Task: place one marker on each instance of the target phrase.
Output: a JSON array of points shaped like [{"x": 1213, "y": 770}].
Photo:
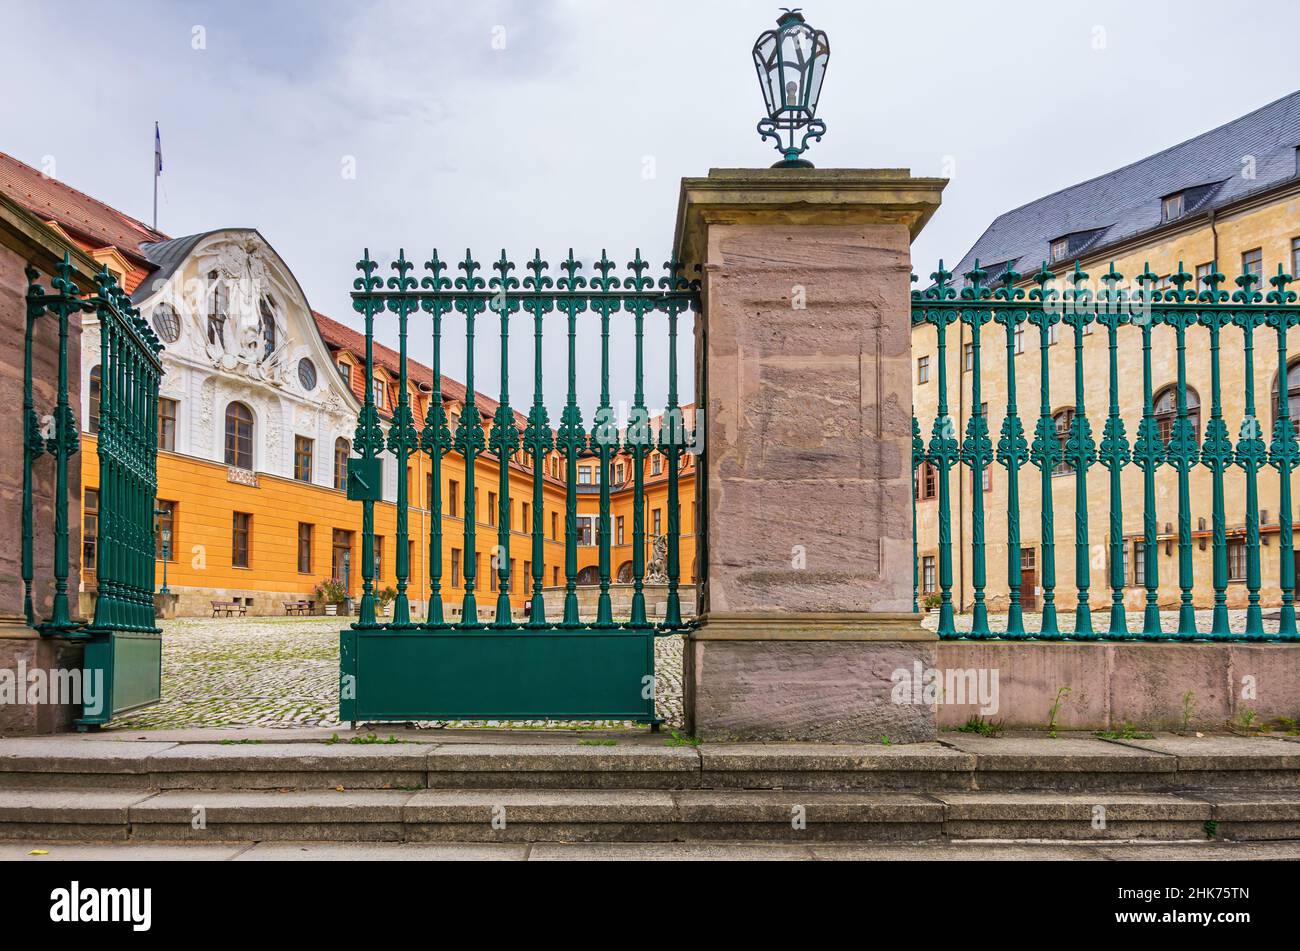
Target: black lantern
[{"x": 791, "y": 63}]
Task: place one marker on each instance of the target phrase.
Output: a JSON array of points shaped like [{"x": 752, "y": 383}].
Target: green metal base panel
[
  {"x": 496, "y": 675},
  {"x": 131, "y": 664}
]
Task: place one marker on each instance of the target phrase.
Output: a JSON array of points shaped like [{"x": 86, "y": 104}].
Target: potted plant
[
  {"x": 932, "y": 601},
  {"x": 386, "y": 598},
  {"x": 332, "y": 593}
]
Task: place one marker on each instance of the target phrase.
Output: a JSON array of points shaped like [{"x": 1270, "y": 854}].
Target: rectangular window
[
  {"x": 555, "y": 525},
  {"x": 379, "y": 556},
  {"x": 586, "y": 530},
  {"x": 302, "y": 448},
  {"x": 428, "y": 491},
  {"x": 618, "y": 474},
  {"x": 305, "y": 532},
  {"x": 584, "y": 475},
  {"x": 1018, "y": 339},
  {"x": 555, "y": 577},
  {"x": 453, "y": 499},
  {"x": 341, "y": 557},
  {"x": 1236, "y": 559},
  {"x": 1053, "y": 334},
  {"x": 241, "y": 532},
  {"x": 968, "y": 356},
  {"x": 1060, "y": 248},
  {"x": 524, "y": 524},
  {"x": 1253, "y": 262},
  {"x": 922, "y": 369},
  {"x": 165, "y": 525},
  {"x": 1139, "y": 563},
  {"x": 345, "y": 371},
  {"x": 657, "y": 518},
  {"x": 166, "y": 424},
  {"x": 528, "y": 570},
  {"x": 1203, "y": 272},
  {"x": 492, "y": 508},
  {"x": 1171, "y": 208},
  {"x": 618, "y": 530},
  {"x": 380, "y": 390},
  {"x": 1295, "y": 257},
  {"x": 656, "y": 463},
  {"x": 455, "y": 568},
  {"x": 927, "y": 574},
  {"x": 90, "y": 530}
]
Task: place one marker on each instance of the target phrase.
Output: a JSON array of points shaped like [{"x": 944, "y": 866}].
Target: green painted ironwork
[
  {"x": 122, "y": 644},
  {"x": 1185, "y": 310},
  {"x": 558, "y": 667}
]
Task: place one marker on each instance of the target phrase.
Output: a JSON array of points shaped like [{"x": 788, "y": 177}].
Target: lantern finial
[{"x": 791, "y": 64}]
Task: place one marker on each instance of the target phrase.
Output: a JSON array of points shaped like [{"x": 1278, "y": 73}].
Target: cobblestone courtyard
[{"x": 283, "y": 672}]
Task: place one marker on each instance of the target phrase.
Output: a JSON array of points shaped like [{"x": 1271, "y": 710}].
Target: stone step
[
  {"x": 958, "y": 762},
  {"x": 642, "y": 815}
]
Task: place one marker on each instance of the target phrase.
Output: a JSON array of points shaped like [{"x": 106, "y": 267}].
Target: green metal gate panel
[
  {"x": 123, "y": 648},
  {"x": 130, "y": 665},
  {"x": 491, "y": 675}
]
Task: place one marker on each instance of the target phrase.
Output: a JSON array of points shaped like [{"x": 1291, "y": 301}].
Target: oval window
[
  {"x": 167, "y": 323},
  {"x": 307, "y": 374}
]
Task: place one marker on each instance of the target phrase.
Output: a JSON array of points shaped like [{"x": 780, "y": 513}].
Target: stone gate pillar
[{"x": 803, "y": 377}]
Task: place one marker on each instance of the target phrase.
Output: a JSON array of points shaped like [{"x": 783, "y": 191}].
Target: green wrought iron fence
[
  {"x": 486, "y": 664},
  {"x": 121, "y": 640},
  {"x": 1128, "y": 315}
]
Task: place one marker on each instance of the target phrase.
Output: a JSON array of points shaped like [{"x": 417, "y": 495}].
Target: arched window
[
  {"x": 167, "y": 323},
  {"x": 239, "y": 436},
  {"x": 624, "y": 575},
  {"x": 267, "y": 308},
  {"x": 1063, "y": 420},
  {"x": 1166, "y": 411},
  {"x": 96, "y": 396},
  {"x": 1292, "y": 395},
  {"x": 342, "y": 449}
]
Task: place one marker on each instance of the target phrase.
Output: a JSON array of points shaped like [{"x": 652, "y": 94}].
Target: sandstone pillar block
[{"x": 804, "y": 383}]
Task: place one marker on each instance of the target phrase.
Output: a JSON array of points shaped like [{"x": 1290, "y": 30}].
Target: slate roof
[{"x": 1127, "y": 202}]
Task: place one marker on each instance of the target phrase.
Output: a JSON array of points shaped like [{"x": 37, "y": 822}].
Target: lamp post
[
  {"x": 166, "y": 534},
  {"x": 791, "y": 63}
]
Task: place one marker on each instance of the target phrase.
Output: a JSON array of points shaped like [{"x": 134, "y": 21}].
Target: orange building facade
[{"x": 257, "y": 410}]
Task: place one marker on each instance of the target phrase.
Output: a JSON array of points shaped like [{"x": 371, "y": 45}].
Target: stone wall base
[
  {"x": 23, "y": 651},
  {"x": 806, "y": 677},
  {"x": 1112, "y": 685}
]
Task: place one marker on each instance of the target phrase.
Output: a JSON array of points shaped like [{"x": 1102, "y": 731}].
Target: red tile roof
[{"x": 83, "y": 217}]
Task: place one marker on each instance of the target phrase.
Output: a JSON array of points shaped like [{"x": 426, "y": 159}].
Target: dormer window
[
  {"x": 1172, "y": 207},
  {"x": 1060, "y": 249}
]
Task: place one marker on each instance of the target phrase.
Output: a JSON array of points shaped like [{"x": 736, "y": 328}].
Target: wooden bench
[
  {"x": 299, "y": 607},
  {"x": 229, "y": 608}
]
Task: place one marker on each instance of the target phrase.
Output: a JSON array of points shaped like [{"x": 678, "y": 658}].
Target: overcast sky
[{"x": 550, "y": 123}]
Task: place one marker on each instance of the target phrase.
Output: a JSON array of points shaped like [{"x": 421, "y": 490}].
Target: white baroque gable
[{"x": 205, "y": 374}]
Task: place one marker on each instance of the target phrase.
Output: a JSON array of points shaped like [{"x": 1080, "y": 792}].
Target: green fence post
[
  {"x": 976, "y": 448},
  {"x": 1148, "y": 455},
  {"x": 368, "y": 440},
  {"x": 435, "y": 438},
  {"x": 1013, "y": 449},
  {"x": 638, "y": 441},
  {"x": 537, "y": 434},
  {"x": 1080, "y": 451},
  {"x": 1182, "y": 452},
  {"x": 402, "y": 438},
  {"x": 1112, "y": 313},
  {"x": 504, "y": 440},
  {"x": 1045, "y": 452},
  {"x": 604, "y": 433},
  {"x": 469, "y": 441},
  {"x": 918, "y": 457},
  {"x": 570, "y": 439},
  {"x": 944, "y": 450},
  {"x": 1284, "y": 454},
  {"x": 1217, "y": 454},
  {"x": 672, "y": 432}
]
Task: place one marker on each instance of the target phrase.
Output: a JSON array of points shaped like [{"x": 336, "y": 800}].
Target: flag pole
[{"x": 157, "y": 165}]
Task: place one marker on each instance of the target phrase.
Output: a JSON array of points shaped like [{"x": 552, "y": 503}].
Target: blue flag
[{"x": 157, "y": 149}]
